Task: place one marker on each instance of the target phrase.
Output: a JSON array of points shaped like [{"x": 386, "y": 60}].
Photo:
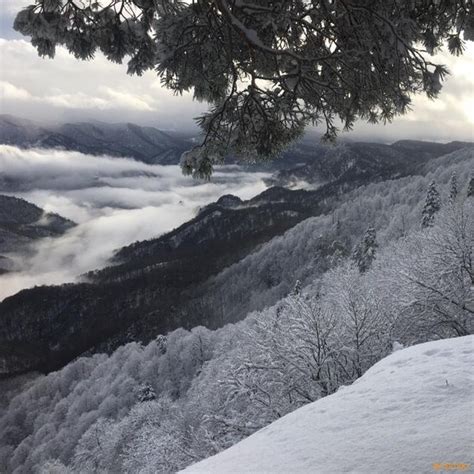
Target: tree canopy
[{"x": 268, "y": 68}]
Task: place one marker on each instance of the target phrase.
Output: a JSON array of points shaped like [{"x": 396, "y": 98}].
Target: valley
[
  {"x": 159, "y": 284},
  {"x": 236, "y": 236}
]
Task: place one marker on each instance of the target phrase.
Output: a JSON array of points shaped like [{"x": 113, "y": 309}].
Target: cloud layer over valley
[{"x": 114, "y": 201}]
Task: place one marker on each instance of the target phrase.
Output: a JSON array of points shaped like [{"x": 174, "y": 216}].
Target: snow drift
[{"x": 411, "y": 412}]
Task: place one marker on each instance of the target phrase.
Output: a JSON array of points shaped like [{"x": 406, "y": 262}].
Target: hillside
[
  {"x": 144, "y": 291},
  {"x": 21, "y": 223},
  {"x": 232, "y": 258},
  {"x": 146, "y": 144},
  {"x": 155, "y": 286},
  {"x": 410, "y": 412},
  {"x": 23, "y": 219},
  {"x": 355, "y": 161},
  {"x": 190, "y": 394}
]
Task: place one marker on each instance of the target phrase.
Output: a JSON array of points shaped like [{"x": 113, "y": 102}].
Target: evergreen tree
[
  {"x": 453, "y": 188},
  {"x": 432, "y": 206},
  {"x": 470, "y": 187},
  {"x": 146, "y": 393},
  {"x": 297, "y": 289},
  {"x": 365, "y": 252}
]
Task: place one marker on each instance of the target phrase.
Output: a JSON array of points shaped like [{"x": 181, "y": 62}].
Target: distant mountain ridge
[
  {"x": 356, "y": 160},
  {"x": 306, "y": 160},
  {"x": 146, "y": 144}
]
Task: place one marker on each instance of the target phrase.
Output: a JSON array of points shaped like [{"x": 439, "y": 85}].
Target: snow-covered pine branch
[{"x": 267, "y": 68}]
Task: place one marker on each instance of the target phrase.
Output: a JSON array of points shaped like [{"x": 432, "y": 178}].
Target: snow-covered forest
[
  {"x": 236, "y": 236},
  {"x": 418, "y": 398},
  {"x": 400, "y": 271}
]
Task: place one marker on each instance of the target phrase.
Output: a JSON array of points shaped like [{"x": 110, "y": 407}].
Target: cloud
[
  {"x": 10, "y": 92},
  {"x": 110, "y": 99},
  {"x": 11, "y": 7},
  {"x": 445, "y": 119},
  {"x": 69, "y": 89},
  {"x": 128, "y": 100},
  {"x": 115, "y": 201}
]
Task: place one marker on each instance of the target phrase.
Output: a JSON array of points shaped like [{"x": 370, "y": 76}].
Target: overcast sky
[{"x": 68, "y": 89}]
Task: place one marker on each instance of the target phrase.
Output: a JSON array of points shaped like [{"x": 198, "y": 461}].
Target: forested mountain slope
[
  {"x": 190, "y": 394},
  {"x": 22, "y": 223},
  {"x": 393, "y": 207},
  {"x": 146, "y": 144},
  {"x": 356, "y": 161},
  {"x": 45, "y": 327},
  {"x": 181, "y": 278},
  {"x": 406, "y": 414}
]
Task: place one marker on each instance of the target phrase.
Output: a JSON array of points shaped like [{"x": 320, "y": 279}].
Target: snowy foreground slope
[{"x": 409, "y": 412}]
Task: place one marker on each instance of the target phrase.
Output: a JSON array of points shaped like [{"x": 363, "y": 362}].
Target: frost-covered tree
[
  {"x": 470, "y": 187},
  {"x": 268, "y": 67},
  {"x": 338, "y": 251},
  {"x": 364, "y": 326},
  {"x": 432, "y": 274},
  {"x": 431, "y": 207},
  {"x": 146, "y": 393},
  {"x": 453, "y": 188},
  {"x": 365, "y": 252},
  {"x": 94, "y": 451},
  {"x": 54, "y": 467},
  {"x": 297, "y": 288}
]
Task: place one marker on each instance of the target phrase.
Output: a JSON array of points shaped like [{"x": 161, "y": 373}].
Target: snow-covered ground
[{"x": 413, "y": 412}]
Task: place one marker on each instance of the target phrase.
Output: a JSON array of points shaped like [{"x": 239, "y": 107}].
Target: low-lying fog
[{"x": 114, "y": 201}]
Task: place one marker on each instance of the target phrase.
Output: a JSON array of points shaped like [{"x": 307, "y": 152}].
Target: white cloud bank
[
  {"x": 110, "y": 99},
  {"x": 64, "y": 88},
  {"x": 115, "y": 202}
]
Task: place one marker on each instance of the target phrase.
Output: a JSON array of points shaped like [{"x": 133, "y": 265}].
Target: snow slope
[{"x": 410, "y": 411}]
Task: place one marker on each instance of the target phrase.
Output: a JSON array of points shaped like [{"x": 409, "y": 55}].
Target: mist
[{"x": 114, "y": 201}]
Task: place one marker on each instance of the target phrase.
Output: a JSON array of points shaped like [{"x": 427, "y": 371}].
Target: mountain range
[
  {"x": 357, "y": 161},
  {"x": 146, "y": 144},
  {"x": 155, "y": 286}
]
